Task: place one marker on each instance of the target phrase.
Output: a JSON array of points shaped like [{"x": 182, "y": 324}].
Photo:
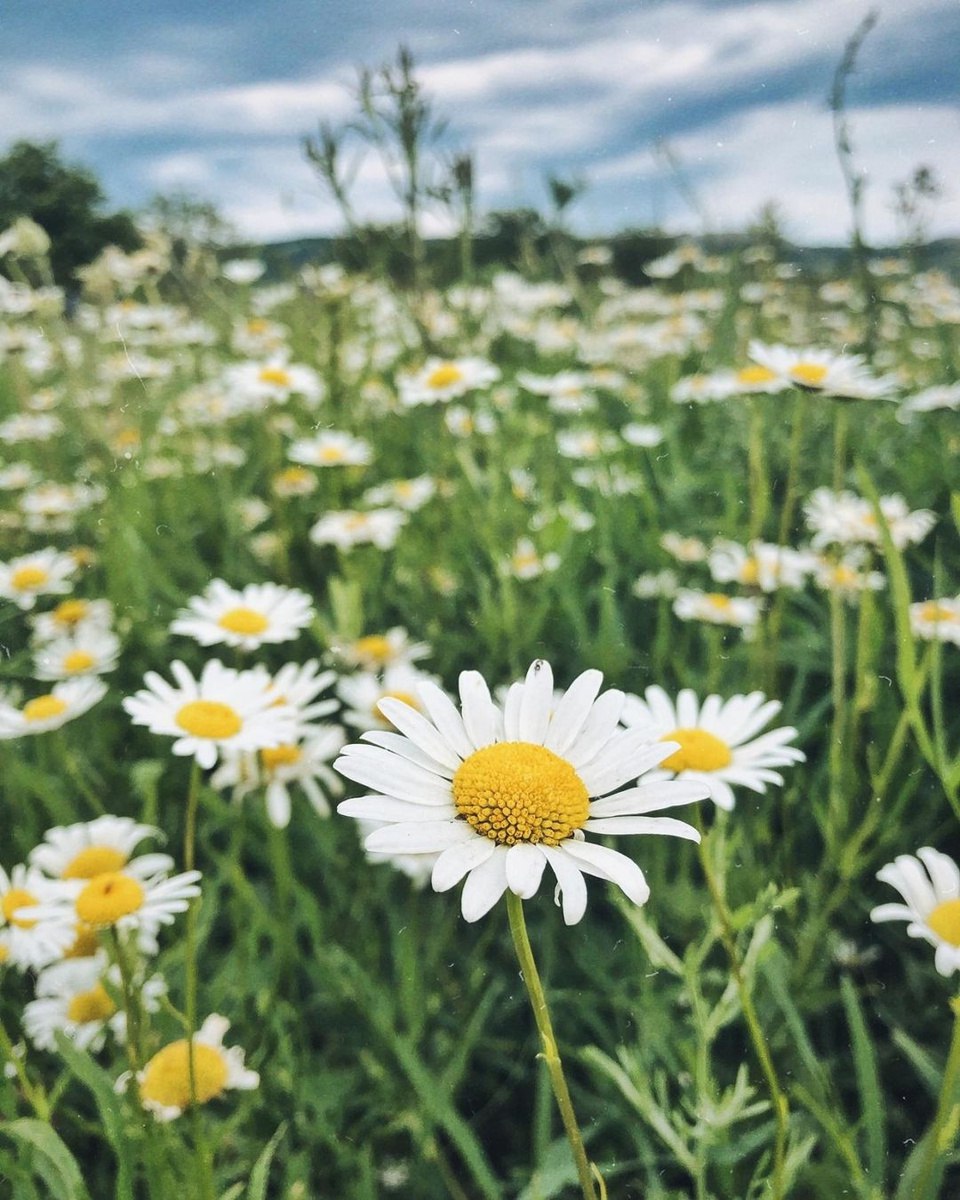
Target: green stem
[
  {"x": 759, "y": 484},
  {"x": 130, "y": 1001},
  {"x": 36, "y": 1096},
  {"x": 837, "y": 756},
  {"x": 946, "y": 1112},
  {"x": 840, "y": 427},
  {"x": 551, "y": 1056},
  {"x": 778, "y": 1098},
  {"x": 793, "y": 467}
]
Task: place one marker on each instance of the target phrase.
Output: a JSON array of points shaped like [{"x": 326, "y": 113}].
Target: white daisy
[
  {"x": 26, "y": 896},
  {"x": 498, "y": 794},
  {"x": 66, "y": 700},
  {"x": 936, "y": 620},
  {"x": 73, "y": 616},
  {"x": 45, "y": 573},
  {"x": 379, "y": 527},
  {"x": 361, "y": 694},
  {"x": 527, "y": 563},
  {"x": 89, "y": 651},
  {"x": 89, "y": 848},
  {"x": 844, "y": 376},
  {"x": 259, "y": 614},
  {"x": 130, "y": 899},
  {"x": 714, "y": 739},
  {"x": 222, "y": 710},
  {"x": 297, "y": 687},
  {"x": 717, "y": 609},
  {"x": 931, "y": 902},
  {"x": 164, "y": 1084},
  {"x": 375, "y": 651},
  {"x": 331, "y": 449},
  {"x": 305, "y": 763},
  {"x": 445, "y": 379},
  {"x": 760, "y": 564},
  {"x": 408, "y": 494},
  {"x": 844, "y": 518}
]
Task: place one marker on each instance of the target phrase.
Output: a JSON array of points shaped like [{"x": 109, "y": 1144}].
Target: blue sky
[{"x": 214, "y": 98}]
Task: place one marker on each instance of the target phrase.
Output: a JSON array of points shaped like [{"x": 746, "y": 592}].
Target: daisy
[
  {"x": 66, "y": 700},
  {"x": 361, "y": 694},
  {"x": 164, "y": 1084},
  {"x": 130, "y": 899},
  {"x": 946, "y": 395},
  {"x": 73, "y": 616},
  {"x": 375, "y": 651},
  {"x": 760, "y": 564},
  {"x": 331, "y": 449},
  {"x": 380, "y": 526},
  {"x": 90, "y": 848},
  {"x": 844, "y": 376},
  {"x": 684, "y": 549},
  {"x": 304, "y": 763},
  {"x": 844, "y": 518},
  {"x": 526, "y": 563},
  {"x": 222, "y": 710},
  {"x": 716, "y": 609},
  {"x": 445, "y": 379},
  {"x": 932, "y": 902},
  {"x": 408, "y": 494},
  {"x": 297, "y": 688},
  {"x": 498, "y": 794},
  {"x": 256, "y": 385},
  {"x": 47, "y": 572},
  {"x": 260, "y": 614},
  {"x": 91, "y": 651},
  {"x": 849, "y": 574},
  {"x": 25, "y": 895},
  {"x": 936, "y": 620},
  {"x": 714, "y": 739},
  {"x": 294, "y": 481}
]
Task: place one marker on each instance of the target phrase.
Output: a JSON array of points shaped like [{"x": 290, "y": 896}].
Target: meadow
[{"x": 238, "y": 516}]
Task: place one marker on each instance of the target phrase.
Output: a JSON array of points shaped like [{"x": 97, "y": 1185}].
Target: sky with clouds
[{"x": 215, "y": 97}]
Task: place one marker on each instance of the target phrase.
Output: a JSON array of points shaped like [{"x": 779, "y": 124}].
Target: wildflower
[
  {"x": 294, "y": 481},
  {"x": 91, "y": 652},
  {"x": 440, "y": 380},
  {"x": 297, "y": 688},
  {"x": 75, "y": 617},
  {"x": 526, "y": 563},
  {"x": 655, "y": 583},
  {"x": 66, "y": 700},
  {"x": 361, "y": 694},
  {"x": 164, "y": 1083},
  {"x": 644, "y": 436},
  {"x": 408, "y": 494},
  {"x": 714, "y": 739},
  {"x": 684, "y": 549},
  {"x": 375, "y": 651},
  {"x": 844, "y": 376},
  {"x": 222, "y": 710},
  {"x": 498, "y": 795},
  {"x": 26, "y": 896},
  {"x": 717, "y": 609},
  {"x": 243, "y": 271},
  {"x": 761, "y": 565},
  {"x": 89, "y": 848},
  {"x": 253, "y": 386},
  {"x": 259, "y": 614},
  {"x": 844, "y": 518},
  {"x": 936, "y": 620},
  {"x": 849, "y": 574},
  {"x": 131, "y": 899},
  {"x": 331, "y": 449},
  {"x": 24, "y": 579},
  {"x": 380, "y": 527},
  {"x": 943, "y": 396},
  {"x": 931, "y": 902}
]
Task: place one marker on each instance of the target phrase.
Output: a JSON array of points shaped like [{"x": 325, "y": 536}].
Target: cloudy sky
[{"x": 214, "y": 97}]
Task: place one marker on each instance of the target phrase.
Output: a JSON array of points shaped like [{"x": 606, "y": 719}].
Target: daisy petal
[
  {"x": 525, "y": 866},
  {"x": 485, "y": 885}
]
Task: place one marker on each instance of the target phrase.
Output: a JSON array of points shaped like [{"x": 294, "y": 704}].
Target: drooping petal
[
  {"x": 484, "y": 886},
  {"x": 525, "y": 864},
  {"x": 611, "y": 865},
  {"x": 456, "y": 861},
  {"x": 570, "y": 881}
]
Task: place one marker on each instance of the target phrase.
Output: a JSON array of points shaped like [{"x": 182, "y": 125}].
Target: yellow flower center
[
  {"x": 518, "y": 792},
  {"x": 94, "y": 1005},
  {"x": 754, "y": 375},
  {"x": 718, "y": 601},
  {"x": 109, "y": 897},
  {"x": 77, "y": 661},
  {"x": 257, "y": 325},
  {"x": 945, "y": 921},
  {"x": 93, "y": 861},
  {"x": 444, "y": 376},
  {"x": 750, "y": 572},
  {"x": 26, "y": 579},
  {"x": 293, "y": 477},
  {"x": 209, "y": 719},
  {"x": 699, "y": 751},
  {"x": 280, "y": 756},
  {"x": 166, "y": 1077},
  {"x": 4, "y": 952},
  {"x": 243, "y": 620},
  {"x": 15, "y": 899},
  {"x": 275, "y": 375},
  {"x": 403, "y": 697},
  {"x": 70, "y": 612},
  {"x": 932, "y": 611},
  {"x": 42, "y": 708},
  {"x": 374, "y": 648},
  {"x": 85, "y": 945},
  {"x": 331, "y": 454},
  {"x": 808, "y": 374}
]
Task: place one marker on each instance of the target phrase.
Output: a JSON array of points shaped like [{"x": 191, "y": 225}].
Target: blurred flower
[
  {"x": 257, "y": 615},
  {"x": 66, "y": 700},
  {"x": 931, "y": 902},
  {"x": 936, "y": 620},
  {"x": 44, "y": 573},
  {"x": 379, "y": 526}
]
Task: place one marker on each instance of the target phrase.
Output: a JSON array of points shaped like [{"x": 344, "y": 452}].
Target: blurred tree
[{"x": 66, "y": 201}]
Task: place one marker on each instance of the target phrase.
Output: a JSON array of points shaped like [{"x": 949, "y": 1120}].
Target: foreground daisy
[
  {"x": 259, "y": 614},
  {"x": 931, "y": 902},
  {"x": 164, "y": 1083},
  {"x": 844, "y": 376},
  {"x": 714, "y": 738},
  {"x": 222, "y": 710},
  {"x": 28, "y": 941},
  {"x": 498, "y": 794}
]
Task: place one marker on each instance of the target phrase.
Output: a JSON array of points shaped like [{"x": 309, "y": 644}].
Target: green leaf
[
  {"x": 55, "y": 1165},
  {"x": 261, "y": 1170},
  {"x": 868, "y": 1082}
]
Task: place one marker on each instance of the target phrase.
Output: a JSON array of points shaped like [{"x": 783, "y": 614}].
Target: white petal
[
  {"x": 392, "y": 776},
  {"x": 511, "y": 712},
  {"x": 943, "y": 872},
  {"x": 396, "y": 743},
  {"x": 456, "y": 861},
  {"x": 627, "y": 755},
  {"x": 599, "y": 728},
  {"x": 525, "y": 866},
  {"x": 536, "y": 703},
  {"x": 667, "y": 826},
  {"x": 422, "y": 837},
  {"x": 388, "y": 808},
  {"x": 481, "y": 717},
  {"x": 278, "y": 805},
  {"x": 573, "y": 889},
  {"x": 649, "y": 797},
  {"x": 485, "y": 885},
  {"x": 891, "y": 912},
  {"x": 420, "y": 731},
  {"x": 610, "y": 864},
  {"x": 443, "y": 713},
  {"x": 572, "y": 712}
]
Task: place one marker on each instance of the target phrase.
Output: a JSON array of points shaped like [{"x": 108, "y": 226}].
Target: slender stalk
[
  {"x": 778, "y": 1098},
  {"x": 836, "y": 760},
  {"x": 841, "y": 426},
  {"x": 759, "y": 483},
  {"x": 35, "y": 1095},
  {"x": 551, "y": 1056},
  {"x": 946, "y": 1111},
  {"x": 131, "y": 1004},
  {"x": 800, "y": 409}
]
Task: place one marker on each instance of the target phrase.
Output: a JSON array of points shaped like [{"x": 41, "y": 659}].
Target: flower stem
[
  {"x": 551, "y": 1056},
  {"x": 36, "y": 1096},
  {"x": 778, "y": 1098},
  {"x": 946, "y": 1113}
]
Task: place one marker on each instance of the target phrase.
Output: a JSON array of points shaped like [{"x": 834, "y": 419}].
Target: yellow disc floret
[
  {"x": 108, "y": 898},
  {"x": 280, "y": 756},
  {"x": 755, "y": 376},
  {"x": 375, "y": 649},
  {"x": 166, "y": 1077},
  {"x": 70, "y": 612},
  {"x": 932, "y": 611},
  {"x": 276, "y": 376},
  {"x": 94, "y": 1005},
  {"x": 42, "y": 708},
  {"x": 699, "y": 751},
  {"x": 444, "y": 376},
  {"x": 519, "y": 792},
  {"x": 209, "y": 719},
  {"x": 15, "y": 899},
  {"x": 93, "y": 861},
  {"x": 945, "y": 921},
  {"x": 28, "y": 579},
  {"x": 85, "y": 945},
  {"x": 243, "y": 620},
  {"x": 77, "y": 661},
  {"x": 808, "y": 374}
]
